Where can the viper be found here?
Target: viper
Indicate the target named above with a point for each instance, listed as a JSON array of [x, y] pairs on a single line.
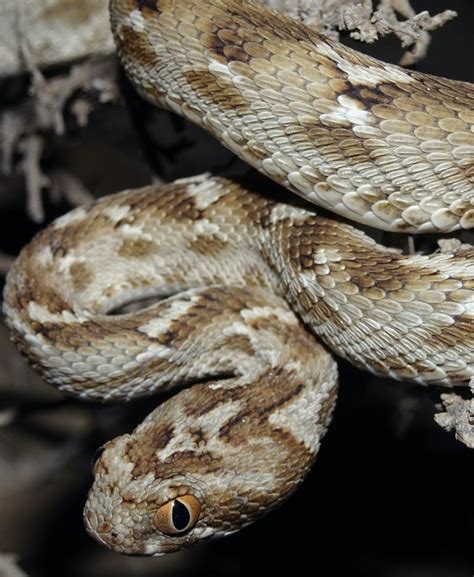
[[249, 282]]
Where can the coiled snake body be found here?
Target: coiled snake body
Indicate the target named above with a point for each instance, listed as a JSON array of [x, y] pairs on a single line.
[[238, 270]]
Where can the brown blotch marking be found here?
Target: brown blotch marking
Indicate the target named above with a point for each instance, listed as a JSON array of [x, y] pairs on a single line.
[[244, 22], [216, 90], [80, 275], [169, 336], [136, 248], [91, 332], [142, 454], [221, 40], [253, 278], [162, 435], [238, 343], [453, 336], [33, 283], [137, 44], [326, 139], [224, 47], [191, 461], [104, 527], [209, 402], [256, 412], [183, 208], [370, 268], [255, 17], [368, 96], [173, 203], [327, 407], [199, 436], [60, 248], [45, 296], [207, 245], [235, 54], [263, 322], [367, 266]]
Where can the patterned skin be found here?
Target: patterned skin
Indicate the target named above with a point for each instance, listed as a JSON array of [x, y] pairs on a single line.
[[236, 271], [247, 281], [375, 143]]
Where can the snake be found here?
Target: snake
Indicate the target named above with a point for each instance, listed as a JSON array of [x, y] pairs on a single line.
[[248, 290]]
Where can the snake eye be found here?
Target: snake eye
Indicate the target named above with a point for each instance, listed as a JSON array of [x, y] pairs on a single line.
[[178, 515], [97, 456]]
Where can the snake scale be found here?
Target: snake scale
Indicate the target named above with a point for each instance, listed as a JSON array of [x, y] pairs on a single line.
[[245, 279]]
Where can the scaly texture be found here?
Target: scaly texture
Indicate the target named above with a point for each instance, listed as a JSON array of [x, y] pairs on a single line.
[[242, 438], [368, 140], [236, 270]]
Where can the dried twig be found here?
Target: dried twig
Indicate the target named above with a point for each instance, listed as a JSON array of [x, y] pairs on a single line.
[[32, 148], [66, 185], [23, 128], [9, 566], [367, 24], [457, 414]]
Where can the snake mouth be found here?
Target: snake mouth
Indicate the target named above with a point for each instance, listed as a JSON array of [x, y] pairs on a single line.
[[106, 535], [108, 539], [103, 532], [96, 535]]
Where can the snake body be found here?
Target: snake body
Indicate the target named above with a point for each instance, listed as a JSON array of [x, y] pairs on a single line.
[[370, 141], [247, 279]]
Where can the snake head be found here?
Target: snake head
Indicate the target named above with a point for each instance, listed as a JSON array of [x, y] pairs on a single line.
[[204, 464], [130, 511]]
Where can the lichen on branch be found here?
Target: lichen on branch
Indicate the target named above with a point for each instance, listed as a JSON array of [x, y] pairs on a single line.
[[366, 22]]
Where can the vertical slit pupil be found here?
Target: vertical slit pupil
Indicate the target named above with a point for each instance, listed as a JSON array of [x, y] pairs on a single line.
[[181, 516]]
